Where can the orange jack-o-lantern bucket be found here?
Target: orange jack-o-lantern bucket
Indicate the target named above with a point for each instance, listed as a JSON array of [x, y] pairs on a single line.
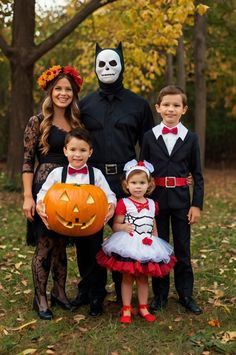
[[75, 210]]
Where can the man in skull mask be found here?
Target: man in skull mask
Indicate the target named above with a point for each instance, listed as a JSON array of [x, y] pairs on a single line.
[[117, 119]]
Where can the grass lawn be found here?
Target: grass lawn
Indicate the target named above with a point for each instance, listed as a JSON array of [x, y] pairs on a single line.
[[176, 331]]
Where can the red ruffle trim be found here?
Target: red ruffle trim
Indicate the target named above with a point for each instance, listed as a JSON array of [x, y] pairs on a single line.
[[135, 268]]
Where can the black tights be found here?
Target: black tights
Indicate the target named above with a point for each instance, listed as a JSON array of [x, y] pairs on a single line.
[[50, 254]]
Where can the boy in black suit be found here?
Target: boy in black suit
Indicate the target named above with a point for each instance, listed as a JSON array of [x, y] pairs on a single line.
[[174, 152]]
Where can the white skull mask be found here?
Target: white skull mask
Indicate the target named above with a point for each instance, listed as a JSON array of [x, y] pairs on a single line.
[[108, 66]]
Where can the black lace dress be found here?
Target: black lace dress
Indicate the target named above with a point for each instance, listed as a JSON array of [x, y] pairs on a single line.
[[41, 165]]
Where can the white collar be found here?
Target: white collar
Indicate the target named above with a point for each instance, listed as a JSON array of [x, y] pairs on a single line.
[[182, 130]]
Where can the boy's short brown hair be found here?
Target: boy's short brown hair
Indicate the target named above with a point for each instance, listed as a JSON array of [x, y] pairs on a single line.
[[79, 133], [172, 90]]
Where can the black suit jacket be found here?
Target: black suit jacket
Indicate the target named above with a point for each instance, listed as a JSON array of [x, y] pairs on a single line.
[[184, 159]]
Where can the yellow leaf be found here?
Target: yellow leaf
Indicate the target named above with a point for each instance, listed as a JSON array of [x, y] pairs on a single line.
[[202, 9], [23, 326], [79, 317], [28, 351], [58, 319], [18, 265]]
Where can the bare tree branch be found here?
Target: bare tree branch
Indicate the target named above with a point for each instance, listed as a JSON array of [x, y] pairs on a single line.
[[65, 30], [6, 49]]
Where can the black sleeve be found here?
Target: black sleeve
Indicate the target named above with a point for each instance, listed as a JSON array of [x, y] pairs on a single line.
[[147, 122], [196, 171]]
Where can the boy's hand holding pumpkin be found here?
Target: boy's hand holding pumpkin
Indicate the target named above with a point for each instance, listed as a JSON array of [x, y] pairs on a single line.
[[111, 211]]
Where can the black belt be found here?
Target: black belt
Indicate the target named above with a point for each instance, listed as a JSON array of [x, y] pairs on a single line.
[[110, 169]]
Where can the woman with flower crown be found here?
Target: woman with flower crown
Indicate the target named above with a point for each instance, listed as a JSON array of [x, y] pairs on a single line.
[[134, 249], [43, 151]]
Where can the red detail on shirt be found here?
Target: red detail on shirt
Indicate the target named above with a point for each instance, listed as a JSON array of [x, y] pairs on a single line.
[[121, 208]]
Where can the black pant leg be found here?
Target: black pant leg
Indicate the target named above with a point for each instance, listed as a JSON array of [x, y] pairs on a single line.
[[183, 272], [93, 276], [116, 275], [160, 286]]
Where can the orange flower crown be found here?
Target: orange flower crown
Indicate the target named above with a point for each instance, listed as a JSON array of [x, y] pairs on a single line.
[[48, 75]]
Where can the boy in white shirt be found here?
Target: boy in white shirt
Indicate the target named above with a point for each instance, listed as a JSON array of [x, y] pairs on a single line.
[[78, 149]]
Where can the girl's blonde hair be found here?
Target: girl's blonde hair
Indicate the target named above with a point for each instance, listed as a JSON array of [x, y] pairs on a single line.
[[151, 183], [72, 113]]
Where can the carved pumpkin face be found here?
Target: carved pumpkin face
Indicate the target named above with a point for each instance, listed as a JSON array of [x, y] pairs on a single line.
[[75, 210]]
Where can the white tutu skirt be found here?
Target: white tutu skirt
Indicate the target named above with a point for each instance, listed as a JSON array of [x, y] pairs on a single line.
[[137, 254]]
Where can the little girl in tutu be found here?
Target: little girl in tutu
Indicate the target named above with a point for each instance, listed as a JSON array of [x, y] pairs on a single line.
[[134, 249]]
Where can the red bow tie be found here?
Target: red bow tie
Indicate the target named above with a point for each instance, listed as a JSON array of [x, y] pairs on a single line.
[[166, 130], [72, 171]]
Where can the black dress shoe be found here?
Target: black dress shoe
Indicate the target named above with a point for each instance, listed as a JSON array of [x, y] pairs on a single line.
[[157, 304], [80, 300], [45, 315], [190, 305], [95, 308], [55, 301]]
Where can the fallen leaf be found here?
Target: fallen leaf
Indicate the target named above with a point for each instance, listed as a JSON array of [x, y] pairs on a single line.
[[83, 330], [58, 319], [228, 336], [21, 256], [79, 317], [214, 323], [26, 292], [23, 325], [24, 282], [50, 351], [28, 351], [18, 265], [178, 319]]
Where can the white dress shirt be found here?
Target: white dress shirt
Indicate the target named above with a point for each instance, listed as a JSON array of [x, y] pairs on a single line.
[[170, 139], [78, 178]]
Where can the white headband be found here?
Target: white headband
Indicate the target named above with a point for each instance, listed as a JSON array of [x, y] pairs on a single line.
[[141, 165]]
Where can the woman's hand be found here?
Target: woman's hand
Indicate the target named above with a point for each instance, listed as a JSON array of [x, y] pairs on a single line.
[[40, 207], [29, 208]]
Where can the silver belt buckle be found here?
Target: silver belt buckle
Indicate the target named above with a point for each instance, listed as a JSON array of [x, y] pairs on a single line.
[[111, 169], [168, 183]]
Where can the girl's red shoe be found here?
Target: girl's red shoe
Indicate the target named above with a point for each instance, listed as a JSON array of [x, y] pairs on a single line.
[[126, 318], [148, 316]]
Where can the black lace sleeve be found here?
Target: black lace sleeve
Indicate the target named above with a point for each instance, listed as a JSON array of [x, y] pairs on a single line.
[[31, 136]]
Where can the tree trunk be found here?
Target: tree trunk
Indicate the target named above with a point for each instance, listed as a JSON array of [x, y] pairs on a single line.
[[21, 102], [21, 106], [180, 67], [169, 69], [200, 81]]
